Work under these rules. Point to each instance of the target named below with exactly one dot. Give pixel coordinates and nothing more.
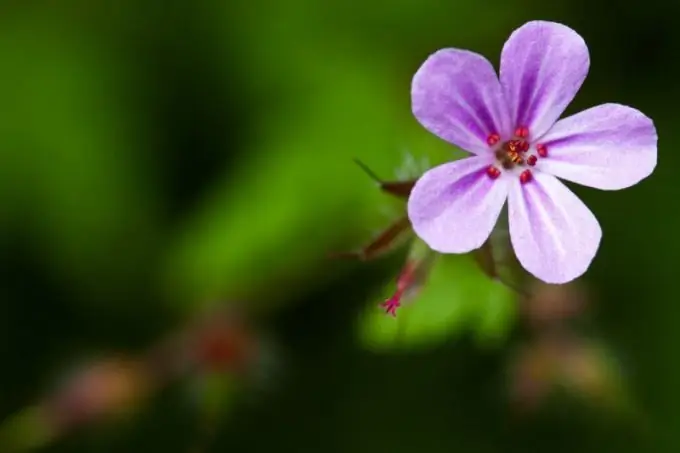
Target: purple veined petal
(454, 207)
(607, 147)
(543, 65)
(555, 236)
(456, 95)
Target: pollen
(517, 146)
(515, 158)
(514, 146)
(531, 160)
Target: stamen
(493, 172)
(391, 304)
(542, 150)
(525, 176)
(531, 160)
(522, 132)
(493, 139)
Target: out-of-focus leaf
(496, 315)
(69, 141)
(456, 297)
(26, 431)
(215, 392)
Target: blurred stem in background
(220, 348)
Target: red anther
(493, 139)
(493, 172)
(525, 176)
(542, 150)
(522, 132)
(525, 146)
(531, 160)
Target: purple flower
(519, 148)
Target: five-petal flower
(510, 125)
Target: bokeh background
(174, 176)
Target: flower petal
(608, 147)
(456, 95)
(555, 236)
(543, 65)
(454, 207)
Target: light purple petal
(555, 236)
(608, 147)
(543, 65)
(456, 95)
(454, 207)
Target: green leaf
(68, 147)
(456, 297)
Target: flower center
(515, 154)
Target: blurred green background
(161, 160)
